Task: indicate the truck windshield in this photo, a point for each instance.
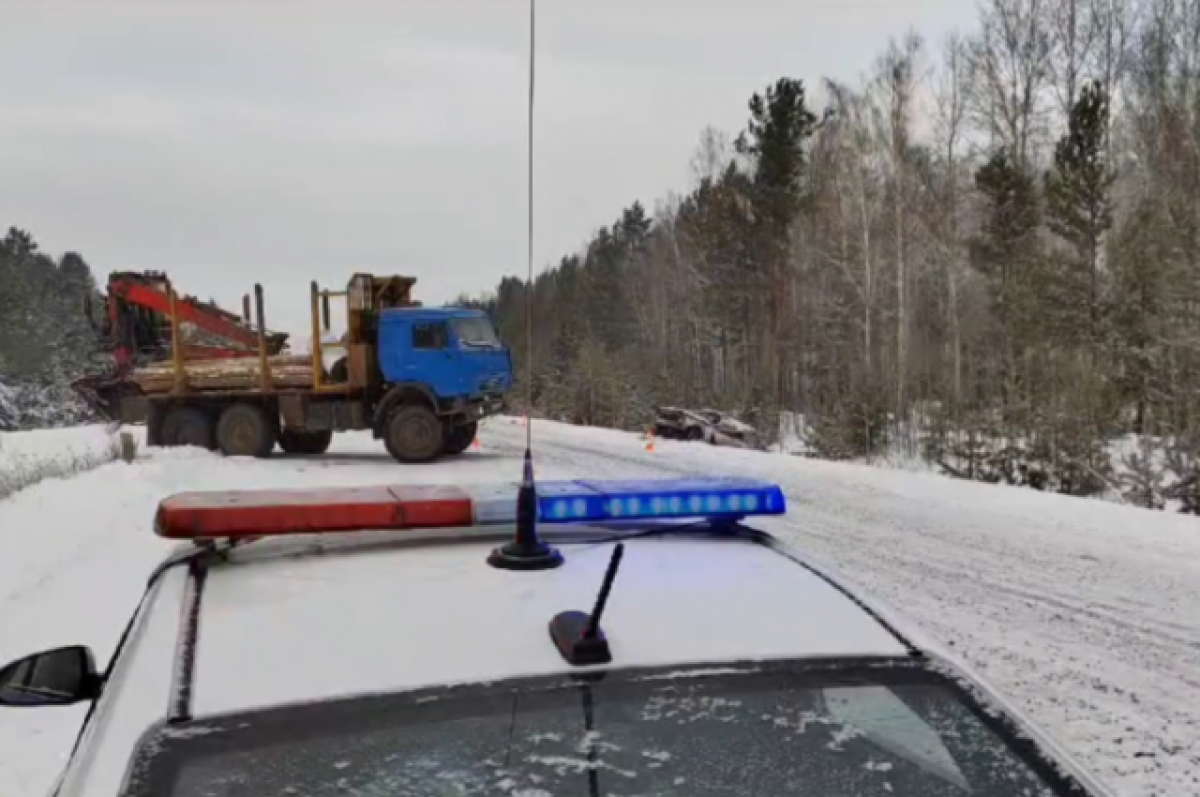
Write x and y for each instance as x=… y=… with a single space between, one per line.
x=768 y=730
x=475 y=333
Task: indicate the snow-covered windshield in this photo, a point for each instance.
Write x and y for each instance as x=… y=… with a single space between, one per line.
x=475 y=332
x=771 y=731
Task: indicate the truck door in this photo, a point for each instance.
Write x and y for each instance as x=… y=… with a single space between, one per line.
x=432 y=360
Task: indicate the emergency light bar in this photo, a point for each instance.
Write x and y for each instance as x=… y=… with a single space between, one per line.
x=266 y=513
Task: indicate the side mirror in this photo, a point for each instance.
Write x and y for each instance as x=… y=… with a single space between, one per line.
x=56 y=677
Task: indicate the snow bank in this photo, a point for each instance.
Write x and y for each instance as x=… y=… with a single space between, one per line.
x=28 y=457
x=1145 y=471
x=39 y=406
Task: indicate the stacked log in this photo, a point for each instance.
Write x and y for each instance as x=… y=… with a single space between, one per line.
x=240 y=373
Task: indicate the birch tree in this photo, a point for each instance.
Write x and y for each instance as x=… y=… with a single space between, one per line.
x=1010 y=60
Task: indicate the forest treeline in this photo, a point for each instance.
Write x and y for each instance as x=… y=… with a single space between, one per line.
x=986 y=252
x=45 y=337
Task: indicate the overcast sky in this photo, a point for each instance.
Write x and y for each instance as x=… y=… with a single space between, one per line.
x=261 y=140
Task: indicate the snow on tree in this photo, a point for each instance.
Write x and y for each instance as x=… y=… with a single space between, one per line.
x=45 y=338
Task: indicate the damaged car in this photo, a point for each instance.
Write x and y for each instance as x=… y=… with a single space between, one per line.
x=708 y=426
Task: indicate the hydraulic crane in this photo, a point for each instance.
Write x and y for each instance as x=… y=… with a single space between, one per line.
x=136 y=326
x=135 y=330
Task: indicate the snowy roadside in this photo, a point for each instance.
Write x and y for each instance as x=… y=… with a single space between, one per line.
x=27 y=458
x=1137 y=470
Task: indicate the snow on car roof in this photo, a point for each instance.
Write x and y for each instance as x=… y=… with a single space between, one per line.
x=290 y=629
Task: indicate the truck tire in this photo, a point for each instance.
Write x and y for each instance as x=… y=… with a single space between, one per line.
x=294 y=441
x=245 y=430
x=188 y=426
x=459 y=438
x=413 y=434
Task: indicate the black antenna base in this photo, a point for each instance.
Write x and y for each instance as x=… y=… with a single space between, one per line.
x=518 y=555
x=526 y=551
x=578 y=636
x=570 y=634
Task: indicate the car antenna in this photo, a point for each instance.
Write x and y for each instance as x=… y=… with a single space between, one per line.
x=527 y=551
x=578 y=636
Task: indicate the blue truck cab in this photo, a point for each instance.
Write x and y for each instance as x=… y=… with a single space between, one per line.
x=447 y=359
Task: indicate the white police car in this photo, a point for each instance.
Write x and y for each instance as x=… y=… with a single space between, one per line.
x=413 y=656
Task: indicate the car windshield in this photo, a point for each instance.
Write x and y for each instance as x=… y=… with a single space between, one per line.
x=771 y=730
x=475 y=332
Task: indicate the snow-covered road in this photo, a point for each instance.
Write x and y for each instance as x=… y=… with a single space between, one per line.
x=1087 y=613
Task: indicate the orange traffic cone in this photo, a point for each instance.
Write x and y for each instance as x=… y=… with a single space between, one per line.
x=476 y=444
x=650 y=440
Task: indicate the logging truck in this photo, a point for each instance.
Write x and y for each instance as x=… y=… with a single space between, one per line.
x=420 y=379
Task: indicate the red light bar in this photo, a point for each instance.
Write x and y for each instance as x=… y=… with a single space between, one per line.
x=266 y=513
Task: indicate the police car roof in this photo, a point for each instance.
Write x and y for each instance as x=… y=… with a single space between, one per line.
x=276 y=627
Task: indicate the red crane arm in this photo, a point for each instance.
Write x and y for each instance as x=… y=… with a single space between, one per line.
x=189 y=310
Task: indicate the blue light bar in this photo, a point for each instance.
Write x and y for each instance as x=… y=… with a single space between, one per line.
x=717 y=499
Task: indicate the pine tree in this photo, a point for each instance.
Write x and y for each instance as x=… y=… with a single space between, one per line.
x=1006 y=252
x=775 y=142
x=607 y=311
x=1142 y=481
x=45 y=339
x=1079 y=210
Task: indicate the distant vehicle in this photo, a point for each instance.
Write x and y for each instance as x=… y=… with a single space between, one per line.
x=419 y=378
x=708 y=426
x=429 y=657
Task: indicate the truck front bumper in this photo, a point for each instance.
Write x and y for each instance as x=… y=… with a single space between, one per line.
x=475 y=408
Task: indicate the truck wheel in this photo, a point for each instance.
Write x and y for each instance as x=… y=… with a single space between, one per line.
x=188 y=426
x=413 y=434
x=245 y=430
x=694 y=433
x=459 y=438
x=300 y=442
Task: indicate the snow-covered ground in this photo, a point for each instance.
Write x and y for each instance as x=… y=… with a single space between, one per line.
x=1086 y=613
x=28 y=457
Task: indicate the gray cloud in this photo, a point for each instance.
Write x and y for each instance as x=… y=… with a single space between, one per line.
x=228 y=142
